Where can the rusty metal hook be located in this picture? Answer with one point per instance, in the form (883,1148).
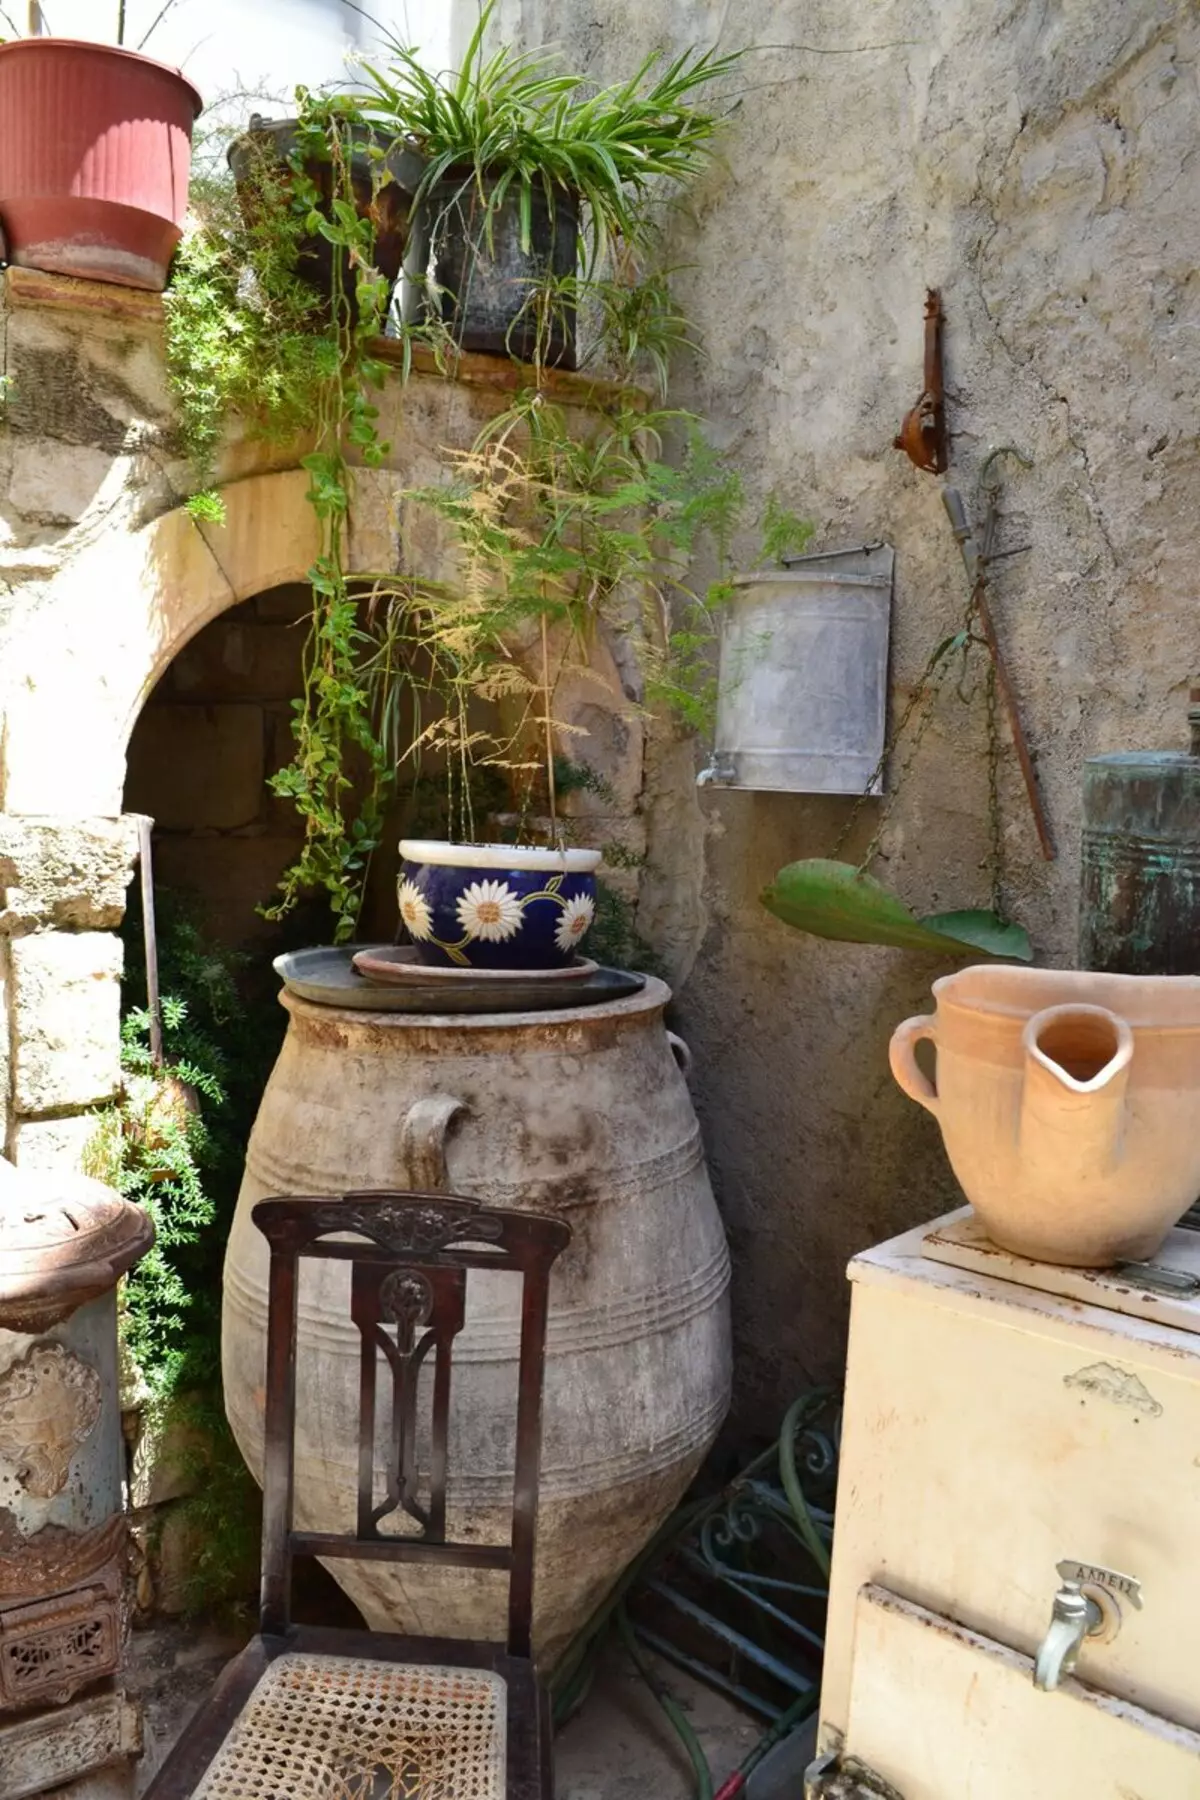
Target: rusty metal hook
(922,434)
(987,485)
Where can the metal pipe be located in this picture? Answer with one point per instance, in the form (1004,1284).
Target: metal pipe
(150,938)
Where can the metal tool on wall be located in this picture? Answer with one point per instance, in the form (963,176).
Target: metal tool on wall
(978,554)
(922,434)
(923,438)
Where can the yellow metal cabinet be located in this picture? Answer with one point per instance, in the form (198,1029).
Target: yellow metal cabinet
(1002,1417)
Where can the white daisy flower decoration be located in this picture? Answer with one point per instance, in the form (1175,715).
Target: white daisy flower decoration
(489,910)
(414,910)
(577,915)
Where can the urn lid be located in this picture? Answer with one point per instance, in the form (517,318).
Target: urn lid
(64,1240)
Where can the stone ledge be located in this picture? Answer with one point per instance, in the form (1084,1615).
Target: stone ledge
(53,1146)
(473,369)
(36,288)
(67,874)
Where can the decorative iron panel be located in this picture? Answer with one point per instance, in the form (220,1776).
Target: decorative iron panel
(51,1748)
(49,1650)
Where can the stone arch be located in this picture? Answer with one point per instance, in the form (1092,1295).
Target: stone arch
(112,619)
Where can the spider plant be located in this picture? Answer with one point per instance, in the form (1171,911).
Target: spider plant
(513,123)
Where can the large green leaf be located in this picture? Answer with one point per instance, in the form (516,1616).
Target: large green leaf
(834,900)
(981,930)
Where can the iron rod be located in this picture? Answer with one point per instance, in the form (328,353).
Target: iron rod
(737,1640)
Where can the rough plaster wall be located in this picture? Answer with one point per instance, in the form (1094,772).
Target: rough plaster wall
(1036,160)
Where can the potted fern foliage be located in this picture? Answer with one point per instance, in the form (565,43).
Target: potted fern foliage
(531,176)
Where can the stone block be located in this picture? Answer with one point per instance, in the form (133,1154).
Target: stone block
(68,873)
(230,876)
(173,1549)
(54,388)
(164,1451)
(284,605)
(198,768)
(65,1011)
(59,1146)
(57,482)
(236,660)
(373,521)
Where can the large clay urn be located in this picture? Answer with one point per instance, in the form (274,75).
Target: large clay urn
(583,1113)
(1068,1103)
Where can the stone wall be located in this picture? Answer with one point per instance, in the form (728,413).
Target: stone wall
(1037,163)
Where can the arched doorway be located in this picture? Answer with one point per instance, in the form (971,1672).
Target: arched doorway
(214,729)
(113,619)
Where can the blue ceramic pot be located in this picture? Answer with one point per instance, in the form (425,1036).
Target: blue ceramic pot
(494,906)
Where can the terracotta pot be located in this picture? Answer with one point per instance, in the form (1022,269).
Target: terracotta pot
(95,150)
(1067,1101)
(582,1113)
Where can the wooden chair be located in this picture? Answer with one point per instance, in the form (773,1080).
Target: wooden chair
(309,1713)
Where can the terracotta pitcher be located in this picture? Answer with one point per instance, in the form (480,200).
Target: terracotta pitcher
(1068,1105)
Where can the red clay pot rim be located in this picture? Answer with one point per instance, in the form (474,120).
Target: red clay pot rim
(63,43)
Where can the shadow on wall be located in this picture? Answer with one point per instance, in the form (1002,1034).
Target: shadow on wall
(812,1147)
(214,729)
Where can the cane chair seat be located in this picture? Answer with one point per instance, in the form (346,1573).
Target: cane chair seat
(344,1728)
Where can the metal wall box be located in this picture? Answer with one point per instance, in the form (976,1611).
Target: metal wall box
(802,688)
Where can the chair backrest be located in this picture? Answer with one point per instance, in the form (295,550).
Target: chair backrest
(409,1257)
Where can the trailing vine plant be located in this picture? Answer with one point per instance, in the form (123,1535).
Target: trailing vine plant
(175,1144)
(549,524)
(249,336)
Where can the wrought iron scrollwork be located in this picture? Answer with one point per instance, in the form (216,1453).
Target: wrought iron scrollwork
(53,1645)
(734,1589)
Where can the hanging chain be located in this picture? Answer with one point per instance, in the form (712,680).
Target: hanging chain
(921,701)
(995,822)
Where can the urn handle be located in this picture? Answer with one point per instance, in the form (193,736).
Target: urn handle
(681,1052)
(423,1141)
(911,1077)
